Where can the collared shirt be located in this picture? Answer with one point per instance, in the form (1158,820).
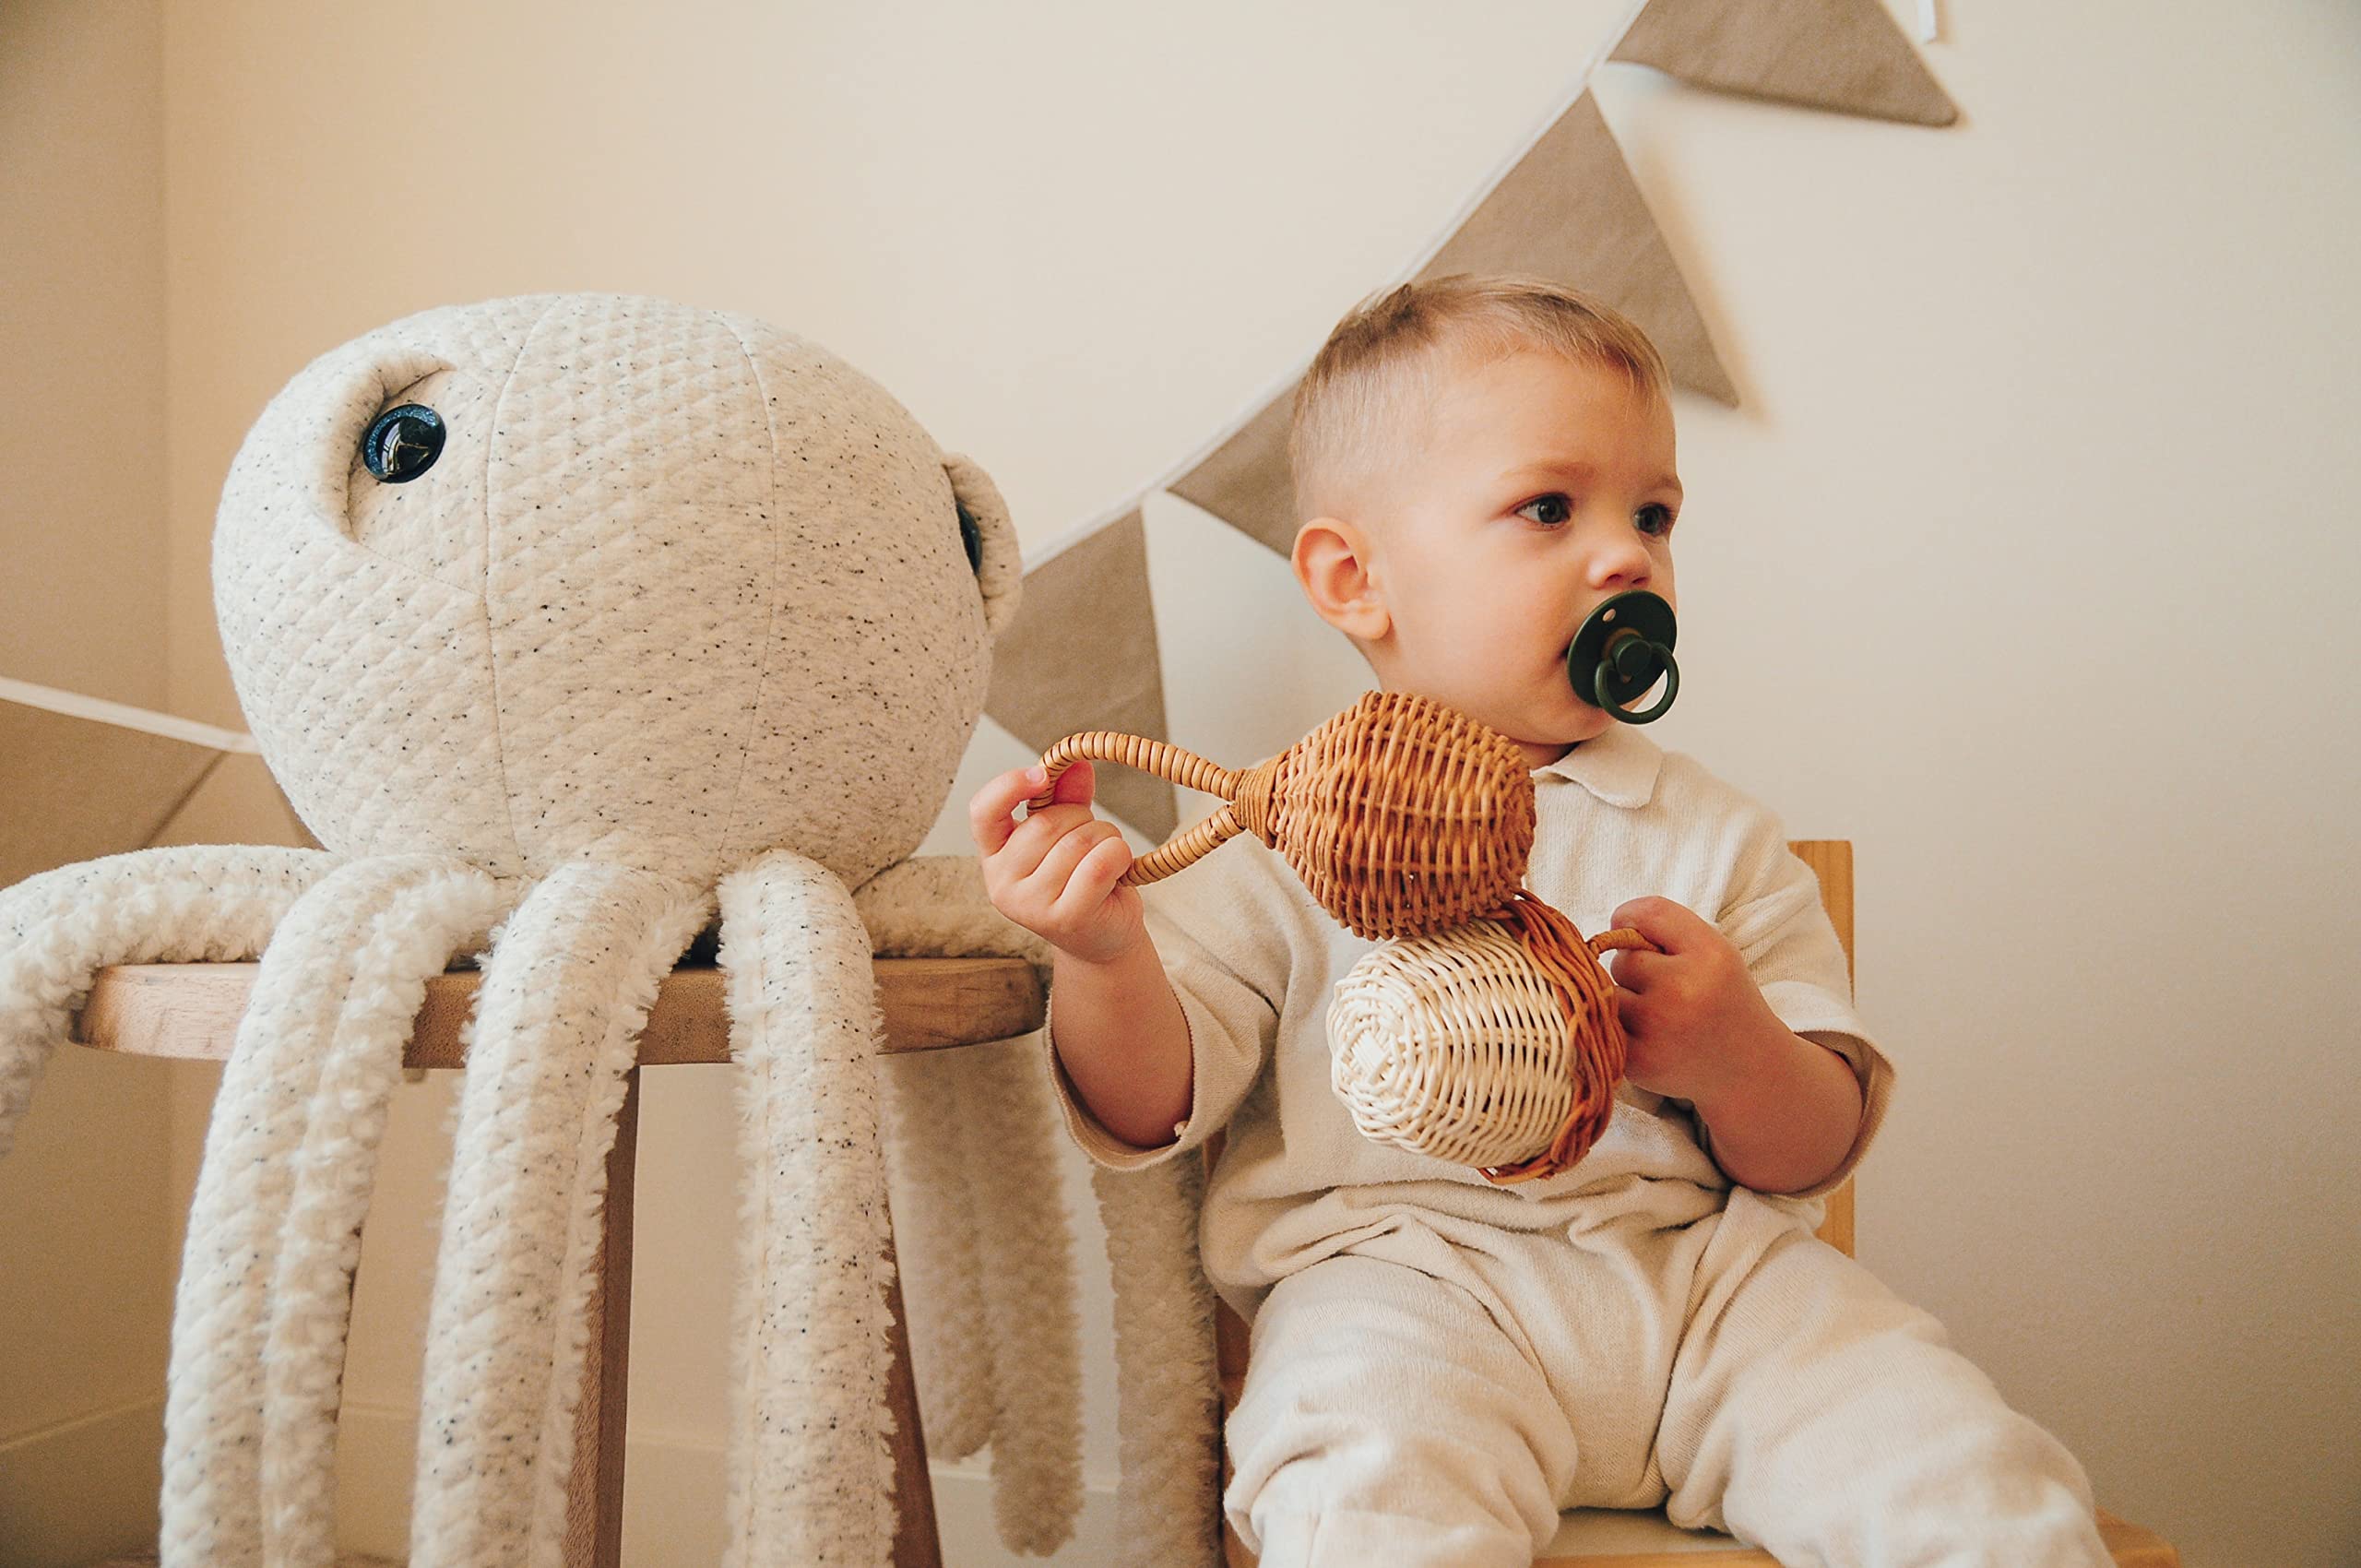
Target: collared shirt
(1253,961)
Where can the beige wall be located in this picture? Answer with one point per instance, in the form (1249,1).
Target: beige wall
(2025,566)
(86,1249)
(82,415)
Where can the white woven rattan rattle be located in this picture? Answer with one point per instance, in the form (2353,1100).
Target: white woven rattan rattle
(1482,1030)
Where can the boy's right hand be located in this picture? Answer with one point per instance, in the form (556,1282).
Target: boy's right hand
(1055,872)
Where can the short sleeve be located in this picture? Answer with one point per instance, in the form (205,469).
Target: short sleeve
(1776,920)
(1219,934)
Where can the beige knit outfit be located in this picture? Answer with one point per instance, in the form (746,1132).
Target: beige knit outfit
(1439,1365)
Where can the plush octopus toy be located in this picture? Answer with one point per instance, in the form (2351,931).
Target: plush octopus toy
(567,623)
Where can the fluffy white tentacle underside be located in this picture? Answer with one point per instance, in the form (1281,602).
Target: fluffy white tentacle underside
(811,1456)
(939,1251)
(212,1504)
(985,1243)
(565,994)
(310,1303)
(197,904)
(1167,1419)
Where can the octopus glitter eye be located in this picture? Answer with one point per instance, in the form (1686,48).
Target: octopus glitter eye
(402,443)
(972,538)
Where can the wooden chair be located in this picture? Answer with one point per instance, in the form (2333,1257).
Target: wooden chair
(192,1011)
(1590,1537)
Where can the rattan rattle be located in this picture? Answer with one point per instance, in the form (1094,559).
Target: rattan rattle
(1482,1030)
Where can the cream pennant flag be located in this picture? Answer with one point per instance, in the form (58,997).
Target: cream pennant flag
(1081,655)
(81,777)
(1246,479)
(1569,210)
(1842,54)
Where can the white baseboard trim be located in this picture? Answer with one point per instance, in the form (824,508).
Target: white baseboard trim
(674,1495)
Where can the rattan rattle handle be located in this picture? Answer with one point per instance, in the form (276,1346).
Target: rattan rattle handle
(1165,761)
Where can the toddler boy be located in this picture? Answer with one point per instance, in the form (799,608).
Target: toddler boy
(1439,1365)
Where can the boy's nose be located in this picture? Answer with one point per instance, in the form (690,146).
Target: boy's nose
(1621,565)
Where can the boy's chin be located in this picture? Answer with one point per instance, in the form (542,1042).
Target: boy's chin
(1588,723)
(1546,742)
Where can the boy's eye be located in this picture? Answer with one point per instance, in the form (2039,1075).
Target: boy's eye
(1548,510)
(1654,520)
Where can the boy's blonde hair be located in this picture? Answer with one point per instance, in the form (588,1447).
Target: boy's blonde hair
(1372,384)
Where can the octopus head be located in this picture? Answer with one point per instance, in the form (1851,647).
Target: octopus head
(590,576)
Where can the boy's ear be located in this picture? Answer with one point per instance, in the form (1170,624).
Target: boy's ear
(1332,560)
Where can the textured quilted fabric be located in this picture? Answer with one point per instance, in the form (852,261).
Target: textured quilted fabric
(682,604)
(680,588)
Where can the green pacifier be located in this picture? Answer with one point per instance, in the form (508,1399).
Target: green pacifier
(1624,649)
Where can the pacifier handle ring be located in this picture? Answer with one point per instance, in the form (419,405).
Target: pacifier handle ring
(1672,687)
(1167,762)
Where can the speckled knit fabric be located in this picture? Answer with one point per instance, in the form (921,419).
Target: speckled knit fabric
(926,1159)
(986,1245)
(444,906)
(213,1496)
(203,903)
(1170,1414)
(680,588)
(556,1029)
(811,1468)
(678,596)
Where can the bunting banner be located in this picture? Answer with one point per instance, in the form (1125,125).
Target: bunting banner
(84,777)
(1571,212)
(1843,55)
(1081,654)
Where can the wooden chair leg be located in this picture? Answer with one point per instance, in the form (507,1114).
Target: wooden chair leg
(594,1506)
(917,1543)
(594,1514)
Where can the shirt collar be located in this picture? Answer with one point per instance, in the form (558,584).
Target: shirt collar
(1618,764)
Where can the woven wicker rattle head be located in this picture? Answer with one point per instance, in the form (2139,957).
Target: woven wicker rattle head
(1402,816)
(1494,1044)
(1482,1030)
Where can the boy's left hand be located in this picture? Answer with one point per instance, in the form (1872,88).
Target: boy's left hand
(1693,1017)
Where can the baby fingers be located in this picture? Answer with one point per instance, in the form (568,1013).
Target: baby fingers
(1055,872)
(992,814)
(1095,874)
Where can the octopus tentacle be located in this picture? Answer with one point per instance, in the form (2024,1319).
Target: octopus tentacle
(811,1468)
(556,1029)
(412,936)
(995,1345)
(211,1510)
(197,903)
(934,906)
(1028,1299)
(927,1165)
(1167,1421)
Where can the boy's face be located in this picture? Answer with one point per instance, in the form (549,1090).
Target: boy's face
(1543,487)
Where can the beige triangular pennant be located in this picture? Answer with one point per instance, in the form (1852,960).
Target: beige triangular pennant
(1569,211)
(1843,55)
(1246,482)
(81,777)
(1081,655)
(237,802)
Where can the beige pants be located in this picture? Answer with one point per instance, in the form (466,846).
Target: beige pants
(1735,1370)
